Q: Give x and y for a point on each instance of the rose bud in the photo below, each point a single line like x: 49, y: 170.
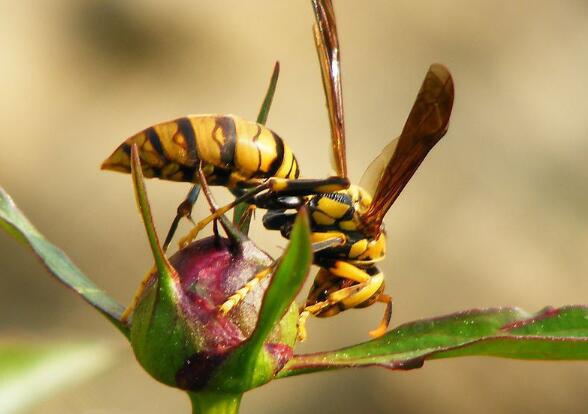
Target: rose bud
x: 178, y: 333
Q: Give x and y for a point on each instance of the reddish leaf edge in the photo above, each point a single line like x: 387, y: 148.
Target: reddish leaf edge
x: 509, y: 341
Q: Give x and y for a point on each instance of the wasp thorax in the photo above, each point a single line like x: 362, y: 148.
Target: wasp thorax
x: 178, y: 333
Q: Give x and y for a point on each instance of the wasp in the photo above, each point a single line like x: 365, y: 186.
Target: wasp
x: 347, y: 227
x: 346, y: 220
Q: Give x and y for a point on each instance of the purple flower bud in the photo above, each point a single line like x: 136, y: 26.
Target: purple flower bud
x: 178, y: 333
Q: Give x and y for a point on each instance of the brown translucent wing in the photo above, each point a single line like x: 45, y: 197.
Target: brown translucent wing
x: 327, y: 46
x: 373, y: 173
x: 425, y: 126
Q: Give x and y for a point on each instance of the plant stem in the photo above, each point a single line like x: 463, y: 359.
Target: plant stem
x: 214, y: 403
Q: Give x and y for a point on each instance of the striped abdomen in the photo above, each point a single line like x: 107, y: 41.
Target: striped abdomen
x: 232, y: 150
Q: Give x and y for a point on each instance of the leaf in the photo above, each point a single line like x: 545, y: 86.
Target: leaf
x: 550, y: 334
x: 269, y: 96
x: 248, y: 363
x: 239, y: 218
x: 55, y: 260
x: 31, y: 373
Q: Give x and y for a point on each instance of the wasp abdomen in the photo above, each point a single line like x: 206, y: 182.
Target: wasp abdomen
x: 231, y: 149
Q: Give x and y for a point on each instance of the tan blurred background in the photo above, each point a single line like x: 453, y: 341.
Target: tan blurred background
x: 497, y: 215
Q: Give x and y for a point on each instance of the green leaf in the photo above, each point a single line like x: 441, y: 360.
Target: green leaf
x: 551, y: 334
x: 14, y: 222
x: 249, y: 365
x: 239, y: 218
x: 269, y: 96
x: 31, y: 373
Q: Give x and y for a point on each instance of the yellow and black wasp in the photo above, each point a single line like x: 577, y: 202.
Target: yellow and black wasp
x: 347, y: 224
x: 346, y: 220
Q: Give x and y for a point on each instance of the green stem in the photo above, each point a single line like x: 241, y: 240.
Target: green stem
x: 214, y: 403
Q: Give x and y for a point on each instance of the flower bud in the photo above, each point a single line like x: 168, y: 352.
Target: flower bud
x: 178, y: 333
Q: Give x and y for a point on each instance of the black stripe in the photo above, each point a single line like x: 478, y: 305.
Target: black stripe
x: 153, y: 138
x: 277, y: 162
x: 297, y: 167
x: 126, y: 148
x: 187, y: 130
x: 257, y: 134
x: 219, y: 176
x: 227, y: 151
x: 188, y: 174
x: 372, y: 271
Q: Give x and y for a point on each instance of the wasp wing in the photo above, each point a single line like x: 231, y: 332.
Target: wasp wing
x: 373, y: 173
x: 327, y: 46
x: 425, y: 126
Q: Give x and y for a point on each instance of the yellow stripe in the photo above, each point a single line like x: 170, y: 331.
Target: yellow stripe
x: 332, y: 207
x: 321, y: 218
x: 208, y: 149
x: 327, y: 235
x: 267, y: 145
x: 375, y: 250
x: 365, y: 293
x: 358, y: 248
x: 348, y: 225
x: 329, y: 188
x: 348, y: 271
x: 286, y: 162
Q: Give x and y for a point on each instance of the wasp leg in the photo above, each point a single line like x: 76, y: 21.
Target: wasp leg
x: 240, y: 294
x: 226, y: 225
x: 279, y: 186
x: 222, y: 210
x: 183, y: 210
x: 375, y: 284
x: 326, y: 243
x: 302, y: 187
x: 383, y: 327
x: 359, y: 295
x: 302, y: 333
x: 348, y: 271
x: 334, y: 298
x: 213, y: 217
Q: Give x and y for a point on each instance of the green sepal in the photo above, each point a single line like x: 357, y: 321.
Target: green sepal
x: 252, y: 364
x: 160, y: 336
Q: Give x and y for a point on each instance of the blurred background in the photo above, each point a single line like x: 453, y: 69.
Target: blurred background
x: 497, y: 215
